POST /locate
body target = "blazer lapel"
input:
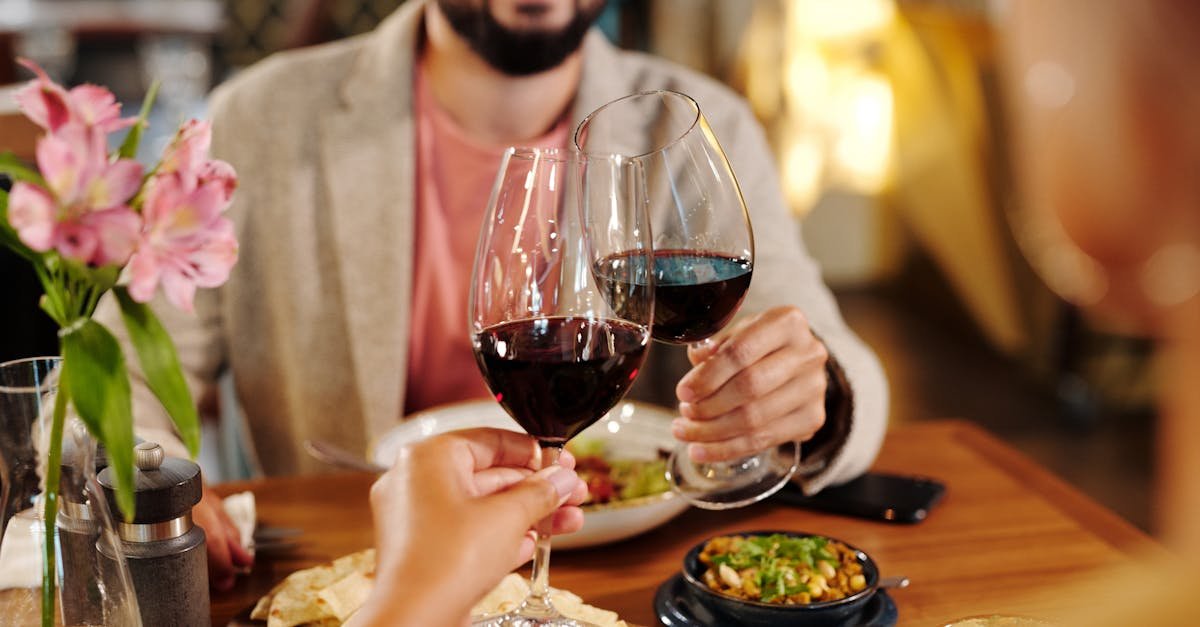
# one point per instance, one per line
(367, 156)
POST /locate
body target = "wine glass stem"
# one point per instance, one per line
(538, 601)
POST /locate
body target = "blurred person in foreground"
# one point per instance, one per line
(1106, 102)
(365, 166)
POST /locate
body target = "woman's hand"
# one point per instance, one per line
(226, 555)
(454, 515)
(757, 385)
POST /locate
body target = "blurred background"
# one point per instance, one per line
(887, 120)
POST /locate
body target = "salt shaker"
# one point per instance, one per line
(165, 550)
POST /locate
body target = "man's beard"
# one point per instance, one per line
(518, 52)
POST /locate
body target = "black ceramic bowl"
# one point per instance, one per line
(755, 613)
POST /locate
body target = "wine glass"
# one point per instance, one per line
(554, 353)
(703, 256)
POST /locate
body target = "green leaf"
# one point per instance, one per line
(100, 278)
(18, 171)
(98, 384)
(8, 236)
(128, 149)
(160, 363)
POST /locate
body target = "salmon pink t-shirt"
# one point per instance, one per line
(455, 174)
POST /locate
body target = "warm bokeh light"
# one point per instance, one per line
(838, 111)
(839, 21)
(861, 110)
(803, 164)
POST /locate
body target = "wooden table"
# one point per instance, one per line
(1006, 531)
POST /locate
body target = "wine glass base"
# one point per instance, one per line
(518, 620)
(734, 484)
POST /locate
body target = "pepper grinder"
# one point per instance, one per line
(165, 551)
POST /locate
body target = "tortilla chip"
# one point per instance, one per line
(511, 590)
(348, 594)
(298, 602)
(327, 595)
(506, 596)
(262, 609)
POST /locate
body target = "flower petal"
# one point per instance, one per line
(70, 160)
(143, 273)
(116, 230)
(179, 290)
(60, 166)
(96, 106)
(42, 100)
(76, 241)
(188, 151)
(213, 261)
(31, 213)
(163, 193)
(221, 173)
(120, 181)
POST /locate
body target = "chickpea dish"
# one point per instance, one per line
(782, 569)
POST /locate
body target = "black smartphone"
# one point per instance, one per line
(892, 498)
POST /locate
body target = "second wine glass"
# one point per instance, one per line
(555, 354)
(675, 171)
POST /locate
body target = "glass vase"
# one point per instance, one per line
(92, 583)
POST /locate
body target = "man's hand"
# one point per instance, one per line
(226, 555)
(758, 384)
(458, 509)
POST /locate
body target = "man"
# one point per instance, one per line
(365, 166)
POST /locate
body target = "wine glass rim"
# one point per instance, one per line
(15, 363)
(641, 94)
(541, 153)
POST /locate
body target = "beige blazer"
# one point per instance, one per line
(314, 320)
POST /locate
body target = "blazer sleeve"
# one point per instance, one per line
(784, 274)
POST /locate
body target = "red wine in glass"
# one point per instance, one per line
(556, 376)
(659, 156)
(696, 292)
(556, 356)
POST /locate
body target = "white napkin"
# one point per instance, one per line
(242, 511)
(21, 552)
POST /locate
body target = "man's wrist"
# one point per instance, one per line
(839, 409)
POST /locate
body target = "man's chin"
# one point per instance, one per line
(518, 52)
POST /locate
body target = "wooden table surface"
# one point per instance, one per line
(1005, 532)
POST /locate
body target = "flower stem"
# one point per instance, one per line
(53, 472)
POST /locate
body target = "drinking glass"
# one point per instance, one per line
(703, 255)
(93, 585)
(555, 354)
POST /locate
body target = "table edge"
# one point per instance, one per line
(1083, 509)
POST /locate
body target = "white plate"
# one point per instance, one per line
(631, 430)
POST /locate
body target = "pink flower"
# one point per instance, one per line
(187, 157)
(31, 211)
(221, 173)
(187, 153)
(51, 107)
(186, 244)
(84, 214)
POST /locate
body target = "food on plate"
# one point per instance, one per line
(323, 595)
(327, 595)
(782, 569)
(513, 589)
(612, 478)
